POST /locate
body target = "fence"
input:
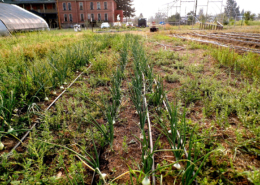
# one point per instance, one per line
(206, 26)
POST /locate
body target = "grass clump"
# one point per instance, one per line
(172, 78)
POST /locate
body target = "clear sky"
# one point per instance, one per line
(150, 7)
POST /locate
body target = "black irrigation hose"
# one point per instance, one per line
(27, 133)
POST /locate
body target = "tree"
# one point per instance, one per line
(174, 18)
(258, 16)
(126, 6)
(190, 16)
(249, 16)
(141, 16)
(232, 9)
(243, 12)
(159, 16)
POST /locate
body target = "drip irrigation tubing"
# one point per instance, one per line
(150, 130)
(248, 34)
(27, 133)
(178, 133)
(219, 44)
(237, 37)
(112, 31)
(235, 40)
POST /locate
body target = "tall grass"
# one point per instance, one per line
(248, 63)
(38, 66)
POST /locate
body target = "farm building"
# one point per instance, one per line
(14, 18)
(71, 12)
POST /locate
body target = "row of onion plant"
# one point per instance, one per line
(30, 81)
(176, 135)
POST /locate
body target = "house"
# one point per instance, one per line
(72, 12)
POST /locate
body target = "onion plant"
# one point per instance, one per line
(112, 107)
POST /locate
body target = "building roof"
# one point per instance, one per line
(16, 18)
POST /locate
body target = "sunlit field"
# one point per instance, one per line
(179, 106)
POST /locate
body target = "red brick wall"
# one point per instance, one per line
(75, 11)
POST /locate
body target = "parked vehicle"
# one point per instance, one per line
(129, 24)
(117, 24)
(105, 25)
(142, 22)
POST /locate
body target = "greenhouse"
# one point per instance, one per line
(14, 18)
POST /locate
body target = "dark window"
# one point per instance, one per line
(92, 17)
(64, 6)
(65, 18)
(98, 6)
(91, 6)
(69, 6)
(54, 6)
(106, 18)
(70, 17)
(81, 6)
(105, 5)
(45, 7)
(82, 17)
(99, 17)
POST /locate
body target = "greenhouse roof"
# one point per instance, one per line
(29, 1)
(15, 18)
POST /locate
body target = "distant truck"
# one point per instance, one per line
(142, 22)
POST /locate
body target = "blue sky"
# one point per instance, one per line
(150, 7)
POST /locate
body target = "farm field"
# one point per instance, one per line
(134, 108)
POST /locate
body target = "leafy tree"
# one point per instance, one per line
(190, 16)
(126, 6)
(174, 18)
(249, 16)
(243, 12)
(159, 16)
(232, 9)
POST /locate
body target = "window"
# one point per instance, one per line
(99, 17)
(98, 6)
(81, 6)
(91, 6)
(64, 6)
(65, 18)
(92, 17)
(54, 6)
(105, 5)
(70, 15)
(106, 19)
(82, 17)
(45, 7)
(69, 6)
(89, 16)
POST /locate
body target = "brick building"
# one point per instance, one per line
(72, 11)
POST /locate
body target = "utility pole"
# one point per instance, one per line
(58, 12)
(196, 6)
(207, 10)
